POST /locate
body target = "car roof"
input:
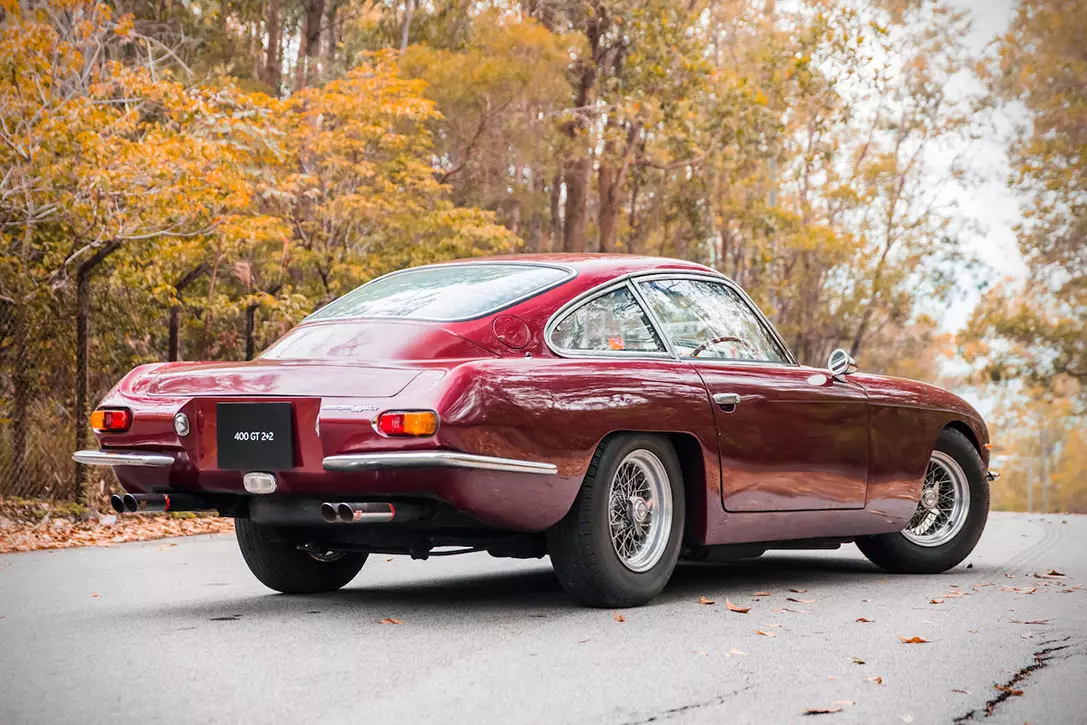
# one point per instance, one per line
(594, 269)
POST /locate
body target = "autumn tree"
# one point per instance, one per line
(1038, 330)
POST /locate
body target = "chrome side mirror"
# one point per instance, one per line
(841, 363)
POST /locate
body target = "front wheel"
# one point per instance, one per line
(950, 515)
(279, 564)
(618, 544)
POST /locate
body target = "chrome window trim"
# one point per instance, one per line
(123, 458)
(588, 296)
(571, 273)
(353, 462)
(790, 359)
(630, 280)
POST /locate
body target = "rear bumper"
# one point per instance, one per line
(506, 493)
(348, 463)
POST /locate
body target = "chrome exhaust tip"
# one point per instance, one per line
(118, 503)
(329, 513)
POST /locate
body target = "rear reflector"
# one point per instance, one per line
(113, 420)
(407, 423)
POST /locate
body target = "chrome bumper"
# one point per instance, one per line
(434, 459)
(349, 462)
(122, 458)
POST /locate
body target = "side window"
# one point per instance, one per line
(710, 321)
(614, 322)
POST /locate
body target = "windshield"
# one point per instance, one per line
(445, 293)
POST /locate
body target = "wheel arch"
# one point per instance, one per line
(968, 432)
(692, 467)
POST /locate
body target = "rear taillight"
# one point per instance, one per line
(407, 423)
(111, 420)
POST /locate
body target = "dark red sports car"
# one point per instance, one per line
(616, 413)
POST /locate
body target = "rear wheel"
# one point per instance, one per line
(950, 515)
(279, 564)
(618, 545)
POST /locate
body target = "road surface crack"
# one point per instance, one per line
(1042, 658)
(677, 711)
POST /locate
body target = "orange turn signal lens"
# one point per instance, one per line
(113, 420)
(407, 423)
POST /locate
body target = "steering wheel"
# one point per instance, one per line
(704, 346)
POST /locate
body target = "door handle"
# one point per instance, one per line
(728, 401)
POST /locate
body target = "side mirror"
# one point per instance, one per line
(841, 363)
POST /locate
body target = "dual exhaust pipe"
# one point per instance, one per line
(131, 503)
(358, 513)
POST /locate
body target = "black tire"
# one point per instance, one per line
(279, 564)
(580, 544)
(896, 553)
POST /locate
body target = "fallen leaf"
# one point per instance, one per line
(798, 591)
(845, 702)
(618, 617)
(1051, 574)
(764, 634)
(706, 600)
(822, 710)
(1030, 621)
(733, 608)
(163, 547)
(762, 594)
(390, 620)
(962, 692)
(936, 601)
(389, 559)
(787, 609)
(800, 601)
(1009, 576)
(832, 677)
(956, 595)
(738, 652)
(1019, 590)
(1010, 691)
(863, 620)
(96, 595)
(858, 661)
(877, 679)
(912, 640)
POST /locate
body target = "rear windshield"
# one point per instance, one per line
(451, 292)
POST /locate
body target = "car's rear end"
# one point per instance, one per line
(368, 413)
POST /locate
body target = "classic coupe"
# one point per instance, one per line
(616, 413)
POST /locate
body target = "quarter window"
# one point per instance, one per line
(710, 321)
(612, 322)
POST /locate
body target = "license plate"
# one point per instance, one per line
(255, 436)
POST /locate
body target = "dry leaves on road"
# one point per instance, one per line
(1051, 574)
(962, 692)
(877, 679)
(862, 620)
(762, 594)
(936, 601)
(1010, 691)
(733, 608)
(800, 601)
(858, 661)
(1019, 590)
(1030, 621)
(822, 710)
(706, 600)
(390, 620)
(798, 591)
(912, 640)
(618, 617)
(764, 634)
(67, 532)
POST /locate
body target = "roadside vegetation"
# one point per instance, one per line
(187, 180)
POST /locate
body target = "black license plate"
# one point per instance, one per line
(255, 436)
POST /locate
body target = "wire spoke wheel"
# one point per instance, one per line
(640, 510)
(944, 505)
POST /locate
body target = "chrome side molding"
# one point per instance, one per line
(122, 458)
(433, 459)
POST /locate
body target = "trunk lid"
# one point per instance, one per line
(279, 378)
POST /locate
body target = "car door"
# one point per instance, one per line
(790, 437)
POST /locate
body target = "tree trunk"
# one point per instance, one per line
(20, 396)
(175, 311)
(250, 324)
(555, 209)
(612, 176)
(579, 169)
(309, 49)
(271, 55)
(405, 27)
(84, 495)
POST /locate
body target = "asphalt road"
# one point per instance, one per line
(178, 631)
